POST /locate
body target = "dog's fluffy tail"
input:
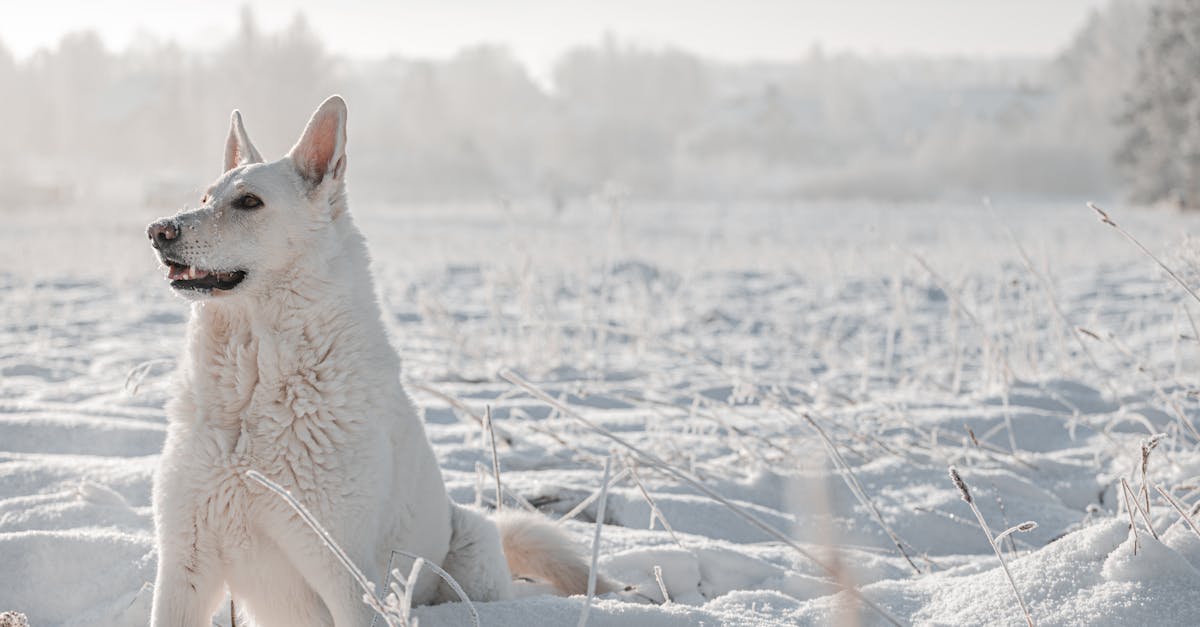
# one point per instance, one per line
(537, 549)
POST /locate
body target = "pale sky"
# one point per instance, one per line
(537, 31)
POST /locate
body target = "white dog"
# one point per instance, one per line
(288, 370)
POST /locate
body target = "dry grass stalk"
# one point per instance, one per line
(575, 511)
(462, 407)
(368, 588)
(487, 421)
(654, 405)
(411, 585)
(522, 501)
(399, 602)
(654, 511)
(966, 496)
(1178, 508)
(1136, 504)
(856, 488)
(656, 462)
(661, 586)
(1151, 378)
(532, 424)
(1192, 321)
(1007, 413)
(1012, 543)
(591, 586)
(479, 472)
(1129, 507)
(1050, 292)
(137, 376)
(988, 450)
(1106, 219)
(1148, 445)
(988, 341)
(1024, 527)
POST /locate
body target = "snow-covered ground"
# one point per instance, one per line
(718, 339)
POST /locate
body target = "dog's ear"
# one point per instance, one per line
(238, 148)
(321, 151)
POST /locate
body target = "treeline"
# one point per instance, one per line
(1160, 153)
(148, 122)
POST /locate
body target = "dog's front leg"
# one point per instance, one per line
(188, 586)
(336, 587)
(342, 596)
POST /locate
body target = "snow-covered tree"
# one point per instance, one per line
(1161, 150)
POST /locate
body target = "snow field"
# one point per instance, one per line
(719, 340)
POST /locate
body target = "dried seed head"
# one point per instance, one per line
(1147, 446)
(1102, 215)
(1028, 525)
(971, 432)
(960, 484)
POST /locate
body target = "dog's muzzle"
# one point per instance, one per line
(184, 276)
(162, 233)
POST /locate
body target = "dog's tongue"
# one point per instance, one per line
(189, 273)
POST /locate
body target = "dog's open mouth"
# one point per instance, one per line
(185, 277)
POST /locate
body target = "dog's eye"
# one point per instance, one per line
(249, 201)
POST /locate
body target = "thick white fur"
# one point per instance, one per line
(291, 374)
(539, 551)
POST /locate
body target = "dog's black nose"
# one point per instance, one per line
(162, 232)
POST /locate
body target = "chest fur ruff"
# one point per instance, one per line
(289, 405)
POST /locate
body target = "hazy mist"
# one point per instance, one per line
(146, 123)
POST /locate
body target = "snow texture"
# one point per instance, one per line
(704, 335)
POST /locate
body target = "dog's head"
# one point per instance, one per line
(258, 219)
